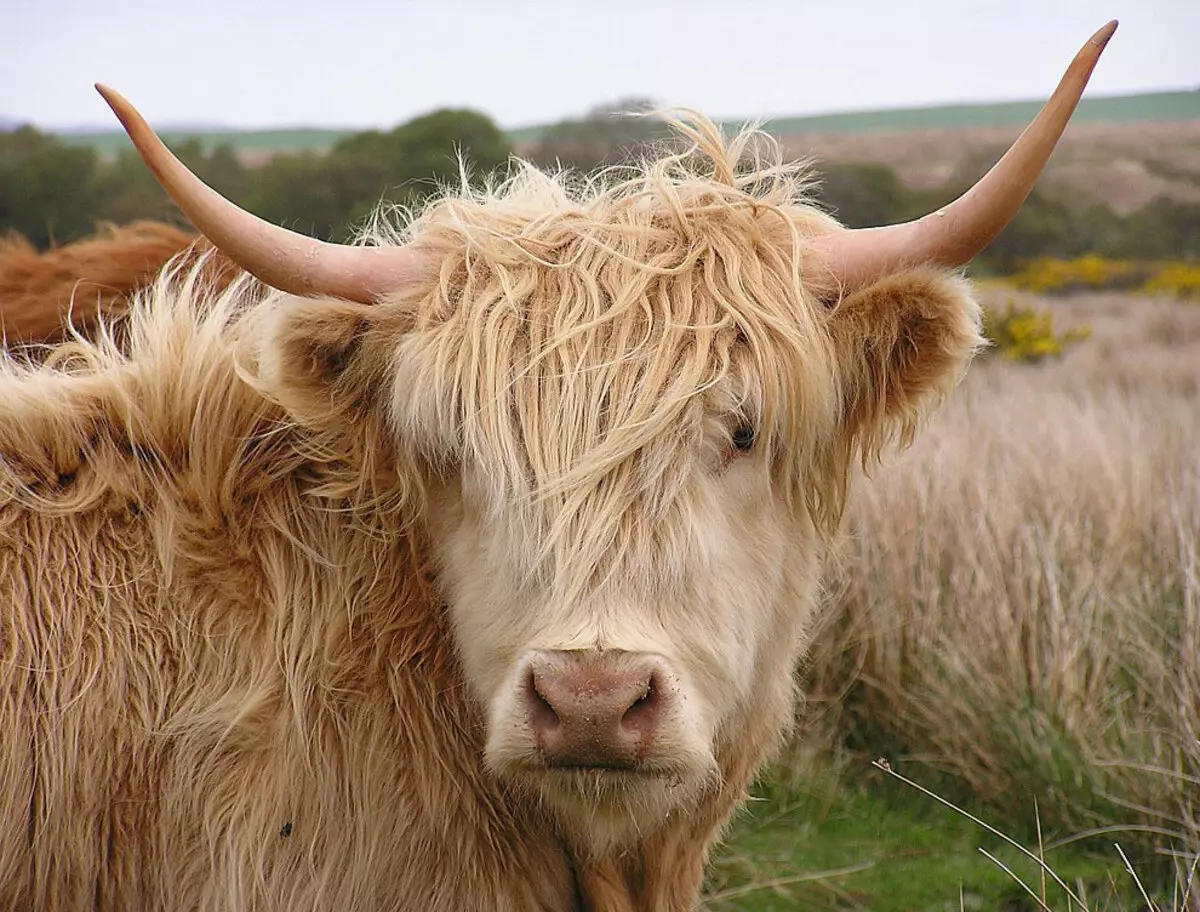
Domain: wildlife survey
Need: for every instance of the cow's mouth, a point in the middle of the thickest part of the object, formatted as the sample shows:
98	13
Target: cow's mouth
594	767
599	784
658	768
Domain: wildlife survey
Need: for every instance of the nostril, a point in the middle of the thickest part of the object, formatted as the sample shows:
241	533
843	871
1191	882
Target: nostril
642	715
542	716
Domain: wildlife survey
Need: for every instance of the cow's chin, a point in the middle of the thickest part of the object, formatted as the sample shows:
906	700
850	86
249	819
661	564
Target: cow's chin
604	811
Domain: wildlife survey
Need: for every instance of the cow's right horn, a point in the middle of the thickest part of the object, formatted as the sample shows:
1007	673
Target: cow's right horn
282	259
953	235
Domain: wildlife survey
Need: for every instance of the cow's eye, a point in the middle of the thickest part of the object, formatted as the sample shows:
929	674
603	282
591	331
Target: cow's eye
743	438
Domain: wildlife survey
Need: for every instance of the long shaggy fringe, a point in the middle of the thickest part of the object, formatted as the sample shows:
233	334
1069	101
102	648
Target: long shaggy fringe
583	330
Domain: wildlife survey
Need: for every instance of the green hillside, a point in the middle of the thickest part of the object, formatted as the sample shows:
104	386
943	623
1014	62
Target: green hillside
1157	106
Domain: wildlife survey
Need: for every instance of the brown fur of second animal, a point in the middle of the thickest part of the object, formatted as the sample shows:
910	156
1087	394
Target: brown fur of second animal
41	293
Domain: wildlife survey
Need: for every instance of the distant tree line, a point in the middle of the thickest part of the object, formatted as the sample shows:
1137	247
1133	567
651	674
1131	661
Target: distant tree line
54	193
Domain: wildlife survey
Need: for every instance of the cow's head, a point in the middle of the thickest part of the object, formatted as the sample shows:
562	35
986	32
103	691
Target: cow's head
629	416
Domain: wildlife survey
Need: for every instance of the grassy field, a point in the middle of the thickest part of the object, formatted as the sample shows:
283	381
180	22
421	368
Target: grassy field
1015	623
1157	107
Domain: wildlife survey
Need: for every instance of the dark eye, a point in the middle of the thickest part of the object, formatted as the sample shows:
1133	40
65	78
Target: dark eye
743	438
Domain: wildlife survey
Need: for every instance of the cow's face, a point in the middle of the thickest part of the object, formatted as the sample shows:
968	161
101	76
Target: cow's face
630	591
625	475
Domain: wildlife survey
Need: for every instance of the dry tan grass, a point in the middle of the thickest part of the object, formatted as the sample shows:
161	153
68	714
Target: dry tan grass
1020	594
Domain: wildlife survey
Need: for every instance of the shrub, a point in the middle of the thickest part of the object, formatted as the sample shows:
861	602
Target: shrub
1025	333
1090	272
608	135
1047	275
1178	280
863	194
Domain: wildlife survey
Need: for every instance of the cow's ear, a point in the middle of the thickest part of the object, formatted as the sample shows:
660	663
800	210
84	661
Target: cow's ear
901	345
315	359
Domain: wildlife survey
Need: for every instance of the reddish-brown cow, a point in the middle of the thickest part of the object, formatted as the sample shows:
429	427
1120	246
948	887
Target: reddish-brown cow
77	283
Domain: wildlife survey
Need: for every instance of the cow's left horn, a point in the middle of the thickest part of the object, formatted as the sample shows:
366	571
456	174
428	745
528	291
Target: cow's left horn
282	259
952	236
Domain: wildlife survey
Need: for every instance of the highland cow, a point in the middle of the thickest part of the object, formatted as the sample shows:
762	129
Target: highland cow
465	568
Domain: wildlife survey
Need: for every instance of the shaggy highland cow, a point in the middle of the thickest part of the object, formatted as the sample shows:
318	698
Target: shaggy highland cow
462	571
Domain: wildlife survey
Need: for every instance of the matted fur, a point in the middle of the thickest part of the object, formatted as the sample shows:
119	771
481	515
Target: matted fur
243	658
75	284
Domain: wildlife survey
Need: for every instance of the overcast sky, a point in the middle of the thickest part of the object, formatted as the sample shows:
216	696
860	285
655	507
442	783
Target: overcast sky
368	63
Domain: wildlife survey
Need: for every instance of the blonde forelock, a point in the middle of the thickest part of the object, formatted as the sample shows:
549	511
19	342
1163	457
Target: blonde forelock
579	332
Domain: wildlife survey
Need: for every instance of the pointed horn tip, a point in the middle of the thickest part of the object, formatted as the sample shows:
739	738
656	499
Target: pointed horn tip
126	113
109	95
1101	38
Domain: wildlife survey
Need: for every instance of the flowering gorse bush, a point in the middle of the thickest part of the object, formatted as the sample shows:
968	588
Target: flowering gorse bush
1046	275
1022	332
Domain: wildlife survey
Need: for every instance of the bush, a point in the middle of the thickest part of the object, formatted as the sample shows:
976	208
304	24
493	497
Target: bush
47	190
864	195
1177	280
1047	275
1025	333
608	135
54	193
1090	272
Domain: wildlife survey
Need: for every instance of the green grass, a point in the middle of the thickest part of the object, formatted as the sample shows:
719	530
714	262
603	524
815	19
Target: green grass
879	845
1157	106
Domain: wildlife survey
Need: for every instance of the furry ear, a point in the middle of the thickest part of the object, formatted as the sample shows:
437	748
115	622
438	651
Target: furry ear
351	369
316	360
901	345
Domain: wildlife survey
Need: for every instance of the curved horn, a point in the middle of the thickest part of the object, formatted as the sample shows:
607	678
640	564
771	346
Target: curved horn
953	235
282	259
